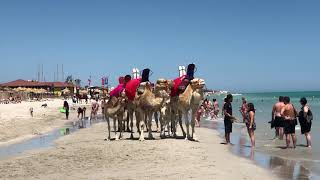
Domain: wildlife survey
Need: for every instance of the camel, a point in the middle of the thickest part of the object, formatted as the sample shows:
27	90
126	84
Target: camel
163	90
148	103
191	100
114	109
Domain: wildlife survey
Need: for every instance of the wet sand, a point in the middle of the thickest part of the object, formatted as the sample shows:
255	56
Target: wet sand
85	155
284	167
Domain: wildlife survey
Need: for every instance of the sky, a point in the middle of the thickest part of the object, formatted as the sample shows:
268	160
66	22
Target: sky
242	46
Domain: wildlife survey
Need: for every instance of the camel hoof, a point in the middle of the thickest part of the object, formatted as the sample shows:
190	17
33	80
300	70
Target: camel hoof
107	139
151	137
141	139
195	139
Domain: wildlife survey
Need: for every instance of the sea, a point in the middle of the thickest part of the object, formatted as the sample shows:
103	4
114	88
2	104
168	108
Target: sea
270	153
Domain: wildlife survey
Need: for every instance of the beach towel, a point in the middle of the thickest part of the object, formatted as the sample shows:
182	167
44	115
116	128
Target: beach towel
131	88
176	84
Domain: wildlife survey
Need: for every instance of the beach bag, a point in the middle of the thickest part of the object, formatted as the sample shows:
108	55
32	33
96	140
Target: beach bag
62	110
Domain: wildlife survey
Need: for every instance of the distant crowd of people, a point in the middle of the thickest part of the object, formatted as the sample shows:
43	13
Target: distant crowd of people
11	100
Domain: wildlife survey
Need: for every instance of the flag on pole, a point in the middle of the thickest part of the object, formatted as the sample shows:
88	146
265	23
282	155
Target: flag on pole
106	80
89	81
102	81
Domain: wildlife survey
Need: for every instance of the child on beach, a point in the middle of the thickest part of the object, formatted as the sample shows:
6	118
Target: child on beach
250	123
80	112
200	111
31	111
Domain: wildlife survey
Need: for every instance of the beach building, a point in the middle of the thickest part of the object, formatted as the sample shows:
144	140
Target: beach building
53	87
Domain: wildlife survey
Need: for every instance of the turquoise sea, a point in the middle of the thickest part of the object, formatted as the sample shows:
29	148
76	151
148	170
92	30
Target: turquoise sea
299	163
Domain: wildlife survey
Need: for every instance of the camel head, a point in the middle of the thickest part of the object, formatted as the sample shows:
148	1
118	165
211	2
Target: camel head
197	83
163	88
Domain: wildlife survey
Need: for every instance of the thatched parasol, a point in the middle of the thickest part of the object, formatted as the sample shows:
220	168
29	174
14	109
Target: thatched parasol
82	92
66	91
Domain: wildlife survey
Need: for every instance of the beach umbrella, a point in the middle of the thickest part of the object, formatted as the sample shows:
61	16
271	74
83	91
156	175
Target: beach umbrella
66	91
83	92
42	91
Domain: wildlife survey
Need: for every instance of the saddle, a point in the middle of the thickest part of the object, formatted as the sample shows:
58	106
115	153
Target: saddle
181	83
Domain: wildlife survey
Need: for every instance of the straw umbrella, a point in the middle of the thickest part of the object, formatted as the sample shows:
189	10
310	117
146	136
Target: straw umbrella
66	91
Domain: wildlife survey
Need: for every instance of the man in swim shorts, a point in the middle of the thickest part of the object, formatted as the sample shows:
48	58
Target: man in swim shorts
277	120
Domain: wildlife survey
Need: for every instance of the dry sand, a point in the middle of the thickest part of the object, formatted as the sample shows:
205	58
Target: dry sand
85	155
16	123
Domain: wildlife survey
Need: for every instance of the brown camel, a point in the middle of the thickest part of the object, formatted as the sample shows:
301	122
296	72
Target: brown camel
114	109
147	104
190	100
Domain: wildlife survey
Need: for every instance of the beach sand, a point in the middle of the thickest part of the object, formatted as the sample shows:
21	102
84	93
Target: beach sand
85	155
16	123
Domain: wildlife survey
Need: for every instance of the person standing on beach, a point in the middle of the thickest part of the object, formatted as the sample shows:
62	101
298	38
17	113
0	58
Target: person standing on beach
250	123
305	120
66	107
277	119
94	109
289	114
200	111
31	111
244	109
228	117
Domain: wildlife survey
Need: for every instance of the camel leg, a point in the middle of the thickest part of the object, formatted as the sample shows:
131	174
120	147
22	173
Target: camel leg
156	117
187	124
141	127
181	125
108	122
128	121
149	120
120	117
162	126
173	122
115	128
146	121
138	119
193	116
130	115
167	123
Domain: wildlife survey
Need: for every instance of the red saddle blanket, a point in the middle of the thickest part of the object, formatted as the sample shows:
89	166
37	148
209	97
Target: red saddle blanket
176	84
131	88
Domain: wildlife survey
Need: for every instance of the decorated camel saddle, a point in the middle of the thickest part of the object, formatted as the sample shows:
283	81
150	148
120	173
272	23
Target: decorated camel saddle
180	84
135	86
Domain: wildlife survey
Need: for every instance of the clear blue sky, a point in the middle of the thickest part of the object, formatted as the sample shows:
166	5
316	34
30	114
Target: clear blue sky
237	45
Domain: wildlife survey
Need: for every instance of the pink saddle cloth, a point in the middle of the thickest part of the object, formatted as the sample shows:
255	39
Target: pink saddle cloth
131	88
117	91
